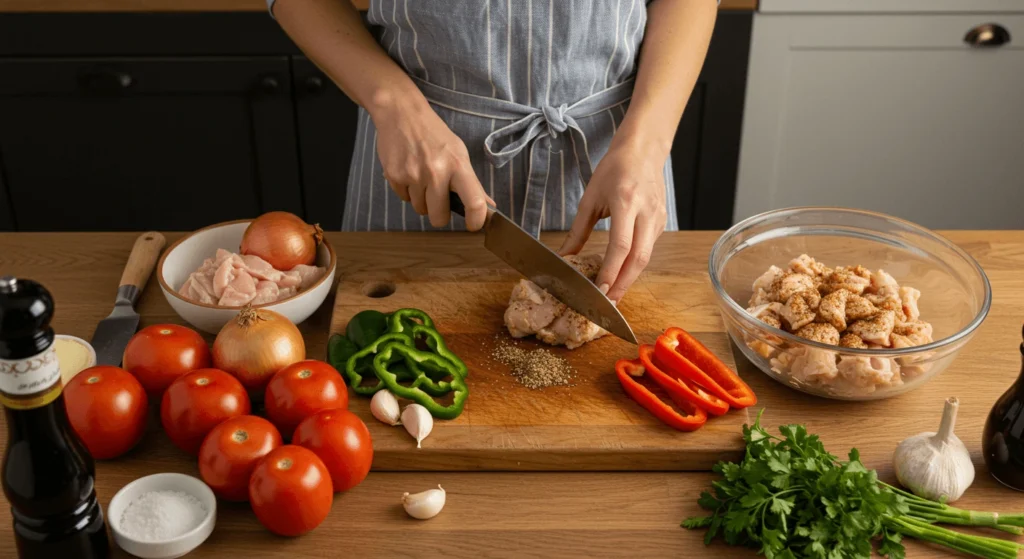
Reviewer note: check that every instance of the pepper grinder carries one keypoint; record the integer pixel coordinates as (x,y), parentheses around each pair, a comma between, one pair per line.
(1003,440)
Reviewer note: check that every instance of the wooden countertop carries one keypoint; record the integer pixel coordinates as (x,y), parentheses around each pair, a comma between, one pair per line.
(199,5)
(539,514)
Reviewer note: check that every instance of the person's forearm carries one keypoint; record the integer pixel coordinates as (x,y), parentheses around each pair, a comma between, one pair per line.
(333,36)
(675,43)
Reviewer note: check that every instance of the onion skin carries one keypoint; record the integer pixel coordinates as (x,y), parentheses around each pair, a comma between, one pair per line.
(282,239)
(255,345)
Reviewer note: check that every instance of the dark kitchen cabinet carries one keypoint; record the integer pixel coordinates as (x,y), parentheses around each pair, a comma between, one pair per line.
(146,143)
(705,154)
(326,121)
(133,121)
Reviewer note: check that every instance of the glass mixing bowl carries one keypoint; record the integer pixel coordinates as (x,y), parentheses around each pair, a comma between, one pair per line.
(955,297)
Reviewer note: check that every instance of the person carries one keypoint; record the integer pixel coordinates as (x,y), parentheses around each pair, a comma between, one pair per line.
(559,113)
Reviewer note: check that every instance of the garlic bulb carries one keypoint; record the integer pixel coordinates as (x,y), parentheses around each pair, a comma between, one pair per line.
(424,505)
(935,466)
(384,406)
(418,422)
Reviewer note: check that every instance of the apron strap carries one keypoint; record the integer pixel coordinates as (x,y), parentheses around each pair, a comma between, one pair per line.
(529,124)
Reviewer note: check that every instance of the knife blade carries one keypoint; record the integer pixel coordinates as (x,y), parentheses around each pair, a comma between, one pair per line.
(112,333)
(548,270)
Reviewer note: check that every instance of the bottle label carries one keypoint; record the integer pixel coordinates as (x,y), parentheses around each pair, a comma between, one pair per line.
(26,382)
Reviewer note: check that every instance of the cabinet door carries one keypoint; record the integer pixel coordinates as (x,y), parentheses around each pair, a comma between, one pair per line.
(327,122)
(893,113)
(136,143)
(705,153)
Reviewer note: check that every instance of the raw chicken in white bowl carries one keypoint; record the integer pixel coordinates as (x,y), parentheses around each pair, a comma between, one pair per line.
(189,254)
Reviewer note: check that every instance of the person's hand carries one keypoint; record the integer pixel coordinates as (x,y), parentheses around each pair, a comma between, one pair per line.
(423,160)
(629,186)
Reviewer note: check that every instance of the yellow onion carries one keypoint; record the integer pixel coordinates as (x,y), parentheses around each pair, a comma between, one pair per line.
(256,344)
(283,239)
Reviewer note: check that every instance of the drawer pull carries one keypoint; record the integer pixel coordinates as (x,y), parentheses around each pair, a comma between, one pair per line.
(987,35)
(314,84)
(107,81)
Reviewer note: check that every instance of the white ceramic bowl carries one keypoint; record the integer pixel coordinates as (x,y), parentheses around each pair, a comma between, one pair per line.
(167,549)
(187,254)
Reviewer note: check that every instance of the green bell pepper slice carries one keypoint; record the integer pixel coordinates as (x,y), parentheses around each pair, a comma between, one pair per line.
(402,320)
(416,391)
(361,363)
(435,342)
(366,326)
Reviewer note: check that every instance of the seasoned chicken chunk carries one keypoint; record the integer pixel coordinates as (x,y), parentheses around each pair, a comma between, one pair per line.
(875,329)
(533,311)
(818,332)
(843,279)
(917,332)
(808,266)
(760,297)
(832,309)
(909,297)
(766,279)
(868,373)
(852,341)
(883,284)
(796,313)
(789,284)
(767,313)
(814,365)
(858,308)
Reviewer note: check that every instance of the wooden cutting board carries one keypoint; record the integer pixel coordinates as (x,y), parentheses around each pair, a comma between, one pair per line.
(591,425)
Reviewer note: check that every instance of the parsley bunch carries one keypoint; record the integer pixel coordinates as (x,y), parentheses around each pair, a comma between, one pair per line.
(791,498)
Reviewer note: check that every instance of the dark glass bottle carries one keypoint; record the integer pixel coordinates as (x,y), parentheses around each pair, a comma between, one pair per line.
(47,473)
(1003,441)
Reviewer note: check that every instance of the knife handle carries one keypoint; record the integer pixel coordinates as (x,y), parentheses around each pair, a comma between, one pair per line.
(456,203)
(143,259)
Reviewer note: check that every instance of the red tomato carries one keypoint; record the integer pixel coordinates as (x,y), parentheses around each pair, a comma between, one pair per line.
(290,491)
(342,441)
(302,389)
(231,451)
(158,354)
(195,403)
(107,409)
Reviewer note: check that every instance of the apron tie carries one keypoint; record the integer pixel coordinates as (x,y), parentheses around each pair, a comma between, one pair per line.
(526,126)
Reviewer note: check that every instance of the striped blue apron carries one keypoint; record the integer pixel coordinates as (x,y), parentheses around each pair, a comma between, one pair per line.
(535,88)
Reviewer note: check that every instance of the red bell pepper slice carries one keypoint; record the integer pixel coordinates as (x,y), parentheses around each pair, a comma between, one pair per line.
(679,386)
(628,370)
(680,351)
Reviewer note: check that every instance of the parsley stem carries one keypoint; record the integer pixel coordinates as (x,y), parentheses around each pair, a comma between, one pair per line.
(989,548)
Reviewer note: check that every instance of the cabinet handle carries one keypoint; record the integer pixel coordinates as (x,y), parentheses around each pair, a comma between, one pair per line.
(987,35)
(269,84)
(314,84)
(106,81)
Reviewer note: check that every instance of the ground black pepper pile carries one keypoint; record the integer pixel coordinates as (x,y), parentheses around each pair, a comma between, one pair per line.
(538,368)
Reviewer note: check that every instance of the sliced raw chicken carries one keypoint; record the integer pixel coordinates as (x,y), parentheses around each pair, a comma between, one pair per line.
(843,279)
(533,311)
(909,297)
(832,309)
(796,313)
(789,284)
(818,332)
(814,365)
(233,280)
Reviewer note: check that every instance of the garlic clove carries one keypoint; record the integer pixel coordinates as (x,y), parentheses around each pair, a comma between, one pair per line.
(425,504)
(418,422)
(384,407)
(935,466)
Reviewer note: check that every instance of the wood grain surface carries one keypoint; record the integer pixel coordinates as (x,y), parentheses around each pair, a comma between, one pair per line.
(533,514)
(591,425)
(201,5)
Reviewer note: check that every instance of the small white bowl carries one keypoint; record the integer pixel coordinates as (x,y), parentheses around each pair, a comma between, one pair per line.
(67,373)
(174,547)
(187,254)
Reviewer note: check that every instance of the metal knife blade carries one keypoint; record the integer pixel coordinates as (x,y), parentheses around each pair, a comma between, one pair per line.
(113,333)
(544,267)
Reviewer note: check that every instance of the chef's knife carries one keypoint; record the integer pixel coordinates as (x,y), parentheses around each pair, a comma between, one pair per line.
(545,268)
(112,333)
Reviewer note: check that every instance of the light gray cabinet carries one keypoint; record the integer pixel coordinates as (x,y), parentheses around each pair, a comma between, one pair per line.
(888,112)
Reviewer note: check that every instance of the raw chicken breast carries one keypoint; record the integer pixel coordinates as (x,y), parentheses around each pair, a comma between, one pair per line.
(875,329)
(233,280)
(814,365)
(909,297)
(531,310)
